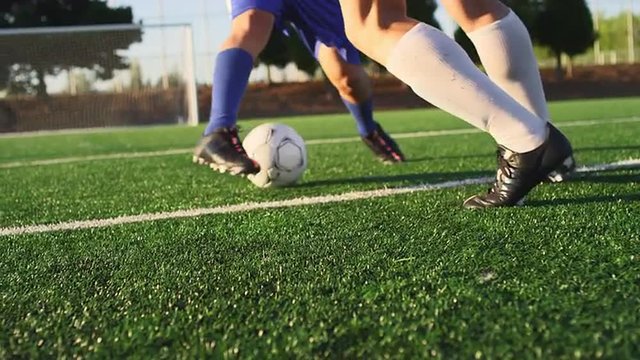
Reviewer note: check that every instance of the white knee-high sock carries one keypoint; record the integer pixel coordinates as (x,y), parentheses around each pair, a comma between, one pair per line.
(507,55)
(440,72)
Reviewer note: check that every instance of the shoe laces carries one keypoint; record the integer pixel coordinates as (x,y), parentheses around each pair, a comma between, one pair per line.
(378,138)
(235,140)
(505,171)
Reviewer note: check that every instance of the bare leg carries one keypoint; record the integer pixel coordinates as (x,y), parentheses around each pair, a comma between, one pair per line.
(376,26)
(354,87)
(217,148)
(474,14)
(350,80)
(250,31)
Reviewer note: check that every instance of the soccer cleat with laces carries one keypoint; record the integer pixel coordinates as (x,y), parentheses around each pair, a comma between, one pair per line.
(383,146)
(222,151)
(519,173)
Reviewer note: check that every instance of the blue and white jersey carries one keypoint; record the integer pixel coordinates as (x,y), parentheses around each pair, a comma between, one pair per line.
(316,22)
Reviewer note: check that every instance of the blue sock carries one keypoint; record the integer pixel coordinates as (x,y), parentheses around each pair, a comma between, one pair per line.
(363,113)
(230,79)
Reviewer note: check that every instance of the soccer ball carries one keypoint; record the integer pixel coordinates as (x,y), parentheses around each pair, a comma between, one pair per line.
(279,151)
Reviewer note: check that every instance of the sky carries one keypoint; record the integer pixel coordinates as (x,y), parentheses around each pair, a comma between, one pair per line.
(210,22)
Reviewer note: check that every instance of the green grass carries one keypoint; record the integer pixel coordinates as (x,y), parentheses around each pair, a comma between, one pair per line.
(412,275)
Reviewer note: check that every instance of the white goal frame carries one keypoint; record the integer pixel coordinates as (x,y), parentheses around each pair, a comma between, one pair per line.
(189,52)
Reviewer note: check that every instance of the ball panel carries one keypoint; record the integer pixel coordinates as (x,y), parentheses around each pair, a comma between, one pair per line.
(260,179)
(279,151)
(289,156)
(257,137)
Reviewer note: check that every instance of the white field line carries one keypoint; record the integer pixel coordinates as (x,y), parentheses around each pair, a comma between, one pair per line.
(170,152)
(82,131)
(302,201)
(89,158)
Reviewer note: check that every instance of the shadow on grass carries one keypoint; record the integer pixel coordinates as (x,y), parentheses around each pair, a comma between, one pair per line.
(450,157)
(605,148)
(596,178)
(397,180)
(419,159)
(601,177)
(627,198)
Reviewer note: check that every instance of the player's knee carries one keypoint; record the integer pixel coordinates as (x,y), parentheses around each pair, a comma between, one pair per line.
(252,21)
(363,33)
(357,34)
(252,29)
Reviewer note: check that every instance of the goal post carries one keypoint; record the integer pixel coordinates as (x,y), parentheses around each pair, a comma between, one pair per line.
(190,77)
(97,76)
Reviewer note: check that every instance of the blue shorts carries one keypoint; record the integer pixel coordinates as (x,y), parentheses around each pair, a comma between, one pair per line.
(316,22)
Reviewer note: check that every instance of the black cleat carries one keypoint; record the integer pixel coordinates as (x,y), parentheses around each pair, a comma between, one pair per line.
(383,146)
(567,167)
(520,173)
(222,151)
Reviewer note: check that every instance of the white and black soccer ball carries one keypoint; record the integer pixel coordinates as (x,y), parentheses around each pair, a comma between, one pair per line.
(279,151)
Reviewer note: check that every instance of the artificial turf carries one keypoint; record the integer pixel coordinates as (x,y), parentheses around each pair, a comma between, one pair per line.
(412,275)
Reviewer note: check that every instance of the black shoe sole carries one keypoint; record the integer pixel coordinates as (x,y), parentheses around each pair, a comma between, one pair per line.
(235,170)
(388,161)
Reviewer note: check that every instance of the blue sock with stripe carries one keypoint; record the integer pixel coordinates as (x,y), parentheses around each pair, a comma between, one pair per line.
(230,79)
(363,114)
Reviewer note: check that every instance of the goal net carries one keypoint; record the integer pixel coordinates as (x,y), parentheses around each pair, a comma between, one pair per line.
(96,76)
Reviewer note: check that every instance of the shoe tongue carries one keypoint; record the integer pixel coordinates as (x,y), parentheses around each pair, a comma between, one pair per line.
(513,158)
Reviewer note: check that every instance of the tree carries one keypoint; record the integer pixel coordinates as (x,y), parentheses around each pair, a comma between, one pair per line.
(463,40)
(302,57)
(137,84)
(50,54)
(527,11)
(79,82)
(423,10)
(565,27)
(613,31)
(21,80)
(276,53)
